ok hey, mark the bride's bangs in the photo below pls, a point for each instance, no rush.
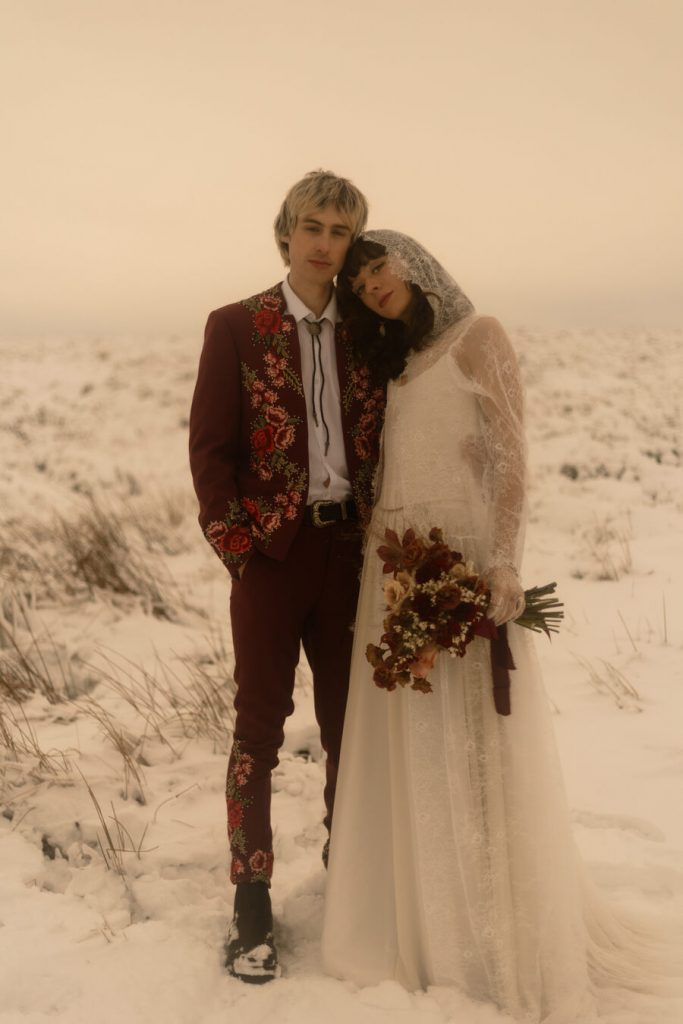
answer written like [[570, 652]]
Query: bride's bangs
[[361, 252]]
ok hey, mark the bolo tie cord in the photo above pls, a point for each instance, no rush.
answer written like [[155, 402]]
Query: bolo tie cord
[[314, 328]]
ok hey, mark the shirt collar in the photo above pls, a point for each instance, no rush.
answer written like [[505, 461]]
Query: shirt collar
[[300, 310]]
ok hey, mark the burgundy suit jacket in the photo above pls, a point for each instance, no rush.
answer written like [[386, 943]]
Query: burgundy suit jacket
[[249, 431]]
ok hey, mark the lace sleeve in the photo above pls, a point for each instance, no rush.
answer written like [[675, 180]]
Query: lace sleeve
[[488, 361]]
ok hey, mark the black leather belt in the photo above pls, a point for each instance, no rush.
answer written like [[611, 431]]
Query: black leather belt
[[324, 513]]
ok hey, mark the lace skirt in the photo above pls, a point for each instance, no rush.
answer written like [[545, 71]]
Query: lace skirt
[[452, 860]]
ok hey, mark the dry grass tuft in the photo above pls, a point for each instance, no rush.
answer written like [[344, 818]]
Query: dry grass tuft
[[611, 682]]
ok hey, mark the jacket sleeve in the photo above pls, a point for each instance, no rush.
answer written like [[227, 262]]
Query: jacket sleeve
[[215, 421]]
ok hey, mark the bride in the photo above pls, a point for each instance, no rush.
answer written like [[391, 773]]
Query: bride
[[452, 860]]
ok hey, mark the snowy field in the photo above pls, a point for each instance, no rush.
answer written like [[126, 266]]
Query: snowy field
[[115, 684]]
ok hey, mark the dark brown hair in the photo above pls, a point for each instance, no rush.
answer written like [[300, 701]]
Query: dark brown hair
[[383, 345]]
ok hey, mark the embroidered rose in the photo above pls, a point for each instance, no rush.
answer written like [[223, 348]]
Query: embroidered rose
[[361, 446], [261, 862], [234, 540], [275, 415], [291, 512], [235, 814], [262, 441], [263, 470], [237, 868], [295, 497], [270, 396], [271, 521], [244, 765], [268, 321], [252, 508], [270, 302], [284, 436], [367, 421], [281, 499], [275, 366]]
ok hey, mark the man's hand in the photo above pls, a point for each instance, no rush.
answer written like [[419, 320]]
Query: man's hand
[[507, 594]]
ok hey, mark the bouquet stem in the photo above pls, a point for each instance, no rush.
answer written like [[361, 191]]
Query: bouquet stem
[[542, 612]]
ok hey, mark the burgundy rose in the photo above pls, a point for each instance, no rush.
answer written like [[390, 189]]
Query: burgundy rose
[[235, 814], [262, 441], [383, 678], [268, 321], [271, 521], [284, 436], [275, 415], [413, 550]]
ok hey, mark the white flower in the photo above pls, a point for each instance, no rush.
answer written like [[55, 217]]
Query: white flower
[[394, 594]]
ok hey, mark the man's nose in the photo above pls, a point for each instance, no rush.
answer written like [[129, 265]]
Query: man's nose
[[324, 239]]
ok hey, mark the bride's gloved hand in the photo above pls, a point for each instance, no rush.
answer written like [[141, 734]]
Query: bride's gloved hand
[[507, 594]]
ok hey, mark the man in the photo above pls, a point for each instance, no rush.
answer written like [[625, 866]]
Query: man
[[284, 432]]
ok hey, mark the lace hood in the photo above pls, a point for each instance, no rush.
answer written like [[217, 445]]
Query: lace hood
[[410, 261]]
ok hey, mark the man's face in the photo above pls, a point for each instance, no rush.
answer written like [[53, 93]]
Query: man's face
[[317, 246]]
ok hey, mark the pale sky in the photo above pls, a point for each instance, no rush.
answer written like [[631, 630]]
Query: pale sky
[[535, 146]]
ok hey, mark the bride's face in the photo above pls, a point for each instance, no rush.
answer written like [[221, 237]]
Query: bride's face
[[382, 291]]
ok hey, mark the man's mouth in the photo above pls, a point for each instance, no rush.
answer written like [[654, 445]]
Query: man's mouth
[[320, 263]]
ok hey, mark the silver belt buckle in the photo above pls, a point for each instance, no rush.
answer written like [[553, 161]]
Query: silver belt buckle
[[315, 512]]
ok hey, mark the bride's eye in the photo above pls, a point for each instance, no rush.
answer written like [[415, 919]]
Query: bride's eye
[[378, 267]]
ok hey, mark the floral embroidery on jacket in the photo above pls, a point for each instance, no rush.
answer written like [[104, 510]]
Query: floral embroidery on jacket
[[365, 433], [273, 329]]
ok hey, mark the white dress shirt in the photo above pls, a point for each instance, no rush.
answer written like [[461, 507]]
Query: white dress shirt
[[328, 473]]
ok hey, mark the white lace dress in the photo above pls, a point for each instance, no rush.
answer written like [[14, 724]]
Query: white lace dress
[[452, 861]]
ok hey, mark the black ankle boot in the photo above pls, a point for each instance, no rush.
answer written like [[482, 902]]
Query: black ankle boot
[[250, 953]]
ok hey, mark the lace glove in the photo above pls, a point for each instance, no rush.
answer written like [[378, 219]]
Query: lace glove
[[507, 594]]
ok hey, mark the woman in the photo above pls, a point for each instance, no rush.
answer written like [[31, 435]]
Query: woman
[[452, 861]]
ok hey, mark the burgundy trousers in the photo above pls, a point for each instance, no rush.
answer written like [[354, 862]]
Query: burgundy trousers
[[309, 598]]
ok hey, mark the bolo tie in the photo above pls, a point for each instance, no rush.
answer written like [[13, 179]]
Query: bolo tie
[[314, 327]]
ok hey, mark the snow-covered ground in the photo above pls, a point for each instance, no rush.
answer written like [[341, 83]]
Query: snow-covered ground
[[114, 900]]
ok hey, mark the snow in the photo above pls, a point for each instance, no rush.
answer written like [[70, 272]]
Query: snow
[[132, 742]]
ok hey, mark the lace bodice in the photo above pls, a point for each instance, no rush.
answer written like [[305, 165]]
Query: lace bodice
[[453, 446]]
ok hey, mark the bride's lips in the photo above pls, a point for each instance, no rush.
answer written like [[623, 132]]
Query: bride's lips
[[385, 298]]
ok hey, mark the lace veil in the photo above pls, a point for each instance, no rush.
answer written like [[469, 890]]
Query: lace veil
[[413, 263]]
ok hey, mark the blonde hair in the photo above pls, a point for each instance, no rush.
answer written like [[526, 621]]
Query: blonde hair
[[316, 190]]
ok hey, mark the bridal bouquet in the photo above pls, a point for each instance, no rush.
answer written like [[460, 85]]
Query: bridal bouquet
[[436, 602]]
